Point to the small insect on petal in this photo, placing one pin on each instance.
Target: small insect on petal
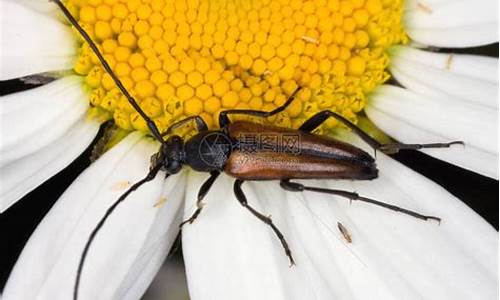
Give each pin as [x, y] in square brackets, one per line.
[345, 233]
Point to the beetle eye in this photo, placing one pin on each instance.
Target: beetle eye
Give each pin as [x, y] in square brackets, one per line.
[173, 167]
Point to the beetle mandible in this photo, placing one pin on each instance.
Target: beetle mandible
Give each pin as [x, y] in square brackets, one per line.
[226, 150]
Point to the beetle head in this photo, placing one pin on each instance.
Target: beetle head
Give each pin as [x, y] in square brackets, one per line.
[171, 155]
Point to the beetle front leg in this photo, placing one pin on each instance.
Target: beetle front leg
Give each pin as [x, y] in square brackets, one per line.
[201, 194]
[201, 125]
[224, 119]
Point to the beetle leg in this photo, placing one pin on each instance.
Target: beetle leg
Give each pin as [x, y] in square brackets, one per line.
[224, 119]
[352, 196]
[318, 119]
[392, 148]
[243, 200]
[205, 187]
[200, 124]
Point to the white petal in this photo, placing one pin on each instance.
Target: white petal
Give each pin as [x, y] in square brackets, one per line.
[452, 23]
[478, 67]
[463, 37]
[32, 42]
[230, 254]
[405, 115]
[44, 7]
[449, 13]
[25, 174]
[126, 252]
[214, 245]
[468, 157]
[469, 77]
[33, 119]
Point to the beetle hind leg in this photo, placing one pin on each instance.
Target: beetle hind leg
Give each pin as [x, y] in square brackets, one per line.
[392, 148]
[316, 120]
[286, 184]
[243, 201]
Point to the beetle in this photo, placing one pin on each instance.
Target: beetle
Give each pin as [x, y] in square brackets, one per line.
[251, 151]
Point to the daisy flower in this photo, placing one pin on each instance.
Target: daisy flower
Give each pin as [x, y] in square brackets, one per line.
[199, 57]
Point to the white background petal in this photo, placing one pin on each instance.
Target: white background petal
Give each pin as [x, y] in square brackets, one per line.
[23, 175]
[33, 42]
[468, 77]
[452, 23]
[412, 118]
[468, 157]
[230, 254]
[449, 13]
[128, 250]
[226, 246]
[33, 119]
[475, 66]
[43, 7]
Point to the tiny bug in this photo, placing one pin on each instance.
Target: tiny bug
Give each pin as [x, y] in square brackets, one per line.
[345, 233]
[250, 151]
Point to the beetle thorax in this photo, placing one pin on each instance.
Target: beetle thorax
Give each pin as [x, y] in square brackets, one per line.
[208, 151]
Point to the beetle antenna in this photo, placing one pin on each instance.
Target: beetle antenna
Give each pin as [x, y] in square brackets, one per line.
[149, 122]
[150, 176]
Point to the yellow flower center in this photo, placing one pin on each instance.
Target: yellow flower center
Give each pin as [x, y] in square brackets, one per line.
[198, 57]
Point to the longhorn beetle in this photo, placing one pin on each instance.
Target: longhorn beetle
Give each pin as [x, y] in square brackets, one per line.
[244, 150]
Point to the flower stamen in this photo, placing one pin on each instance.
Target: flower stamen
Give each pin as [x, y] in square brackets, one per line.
[199, 57]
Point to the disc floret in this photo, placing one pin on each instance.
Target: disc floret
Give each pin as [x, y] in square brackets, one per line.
[198, 57]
